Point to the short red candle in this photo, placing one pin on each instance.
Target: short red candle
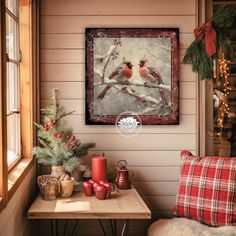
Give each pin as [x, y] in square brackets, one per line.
[100, 192]
[88, 187]
[108, 187]
[99, 165]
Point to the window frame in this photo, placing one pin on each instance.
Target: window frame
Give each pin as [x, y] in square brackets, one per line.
[13, 115]
[11, 180]
[3, 137]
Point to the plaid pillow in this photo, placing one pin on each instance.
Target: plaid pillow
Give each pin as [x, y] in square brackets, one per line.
[207, 190]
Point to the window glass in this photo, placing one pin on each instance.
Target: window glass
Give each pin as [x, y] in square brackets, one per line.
[13, 83]
[13, 138]
[13, 87]
[12, 6]
[12, 39]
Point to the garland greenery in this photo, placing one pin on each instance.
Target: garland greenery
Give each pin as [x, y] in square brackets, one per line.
[197, 55]
[58, 145]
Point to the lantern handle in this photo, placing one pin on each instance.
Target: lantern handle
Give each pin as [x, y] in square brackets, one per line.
[121, 164]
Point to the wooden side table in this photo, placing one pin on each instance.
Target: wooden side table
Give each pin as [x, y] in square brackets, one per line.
[127, 204]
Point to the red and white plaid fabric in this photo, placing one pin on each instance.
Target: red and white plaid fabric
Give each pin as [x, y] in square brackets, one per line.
[207, 191]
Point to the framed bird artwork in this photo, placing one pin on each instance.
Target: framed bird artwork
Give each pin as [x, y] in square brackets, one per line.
[132, 70]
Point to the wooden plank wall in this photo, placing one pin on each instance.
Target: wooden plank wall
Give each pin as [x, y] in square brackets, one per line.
[154, 154]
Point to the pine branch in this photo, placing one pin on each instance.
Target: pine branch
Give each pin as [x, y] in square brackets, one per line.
[38, 125]
[70, 164]
[196, 53]
[66, 114]
[224, 16]
[82, 150]
[44, 155]
[42, 142]
[197, 56]
[68, 155]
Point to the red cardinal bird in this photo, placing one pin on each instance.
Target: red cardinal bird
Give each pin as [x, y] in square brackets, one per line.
[151, 76]
[122, 73]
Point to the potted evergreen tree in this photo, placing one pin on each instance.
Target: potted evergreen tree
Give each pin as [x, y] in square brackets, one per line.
[59, 147]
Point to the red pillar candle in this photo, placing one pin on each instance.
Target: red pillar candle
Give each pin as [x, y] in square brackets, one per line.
[99, 165]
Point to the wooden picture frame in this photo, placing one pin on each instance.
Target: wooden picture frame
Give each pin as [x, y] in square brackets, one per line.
[134, 70]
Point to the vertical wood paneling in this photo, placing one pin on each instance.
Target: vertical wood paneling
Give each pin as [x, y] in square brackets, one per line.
[154, 154]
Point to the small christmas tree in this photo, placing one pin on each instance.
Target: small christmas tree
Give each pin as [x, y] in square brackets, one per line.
[58, 145]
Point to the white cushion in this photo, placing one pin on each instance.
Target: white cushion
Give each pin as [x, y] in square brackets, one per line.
[187, 227]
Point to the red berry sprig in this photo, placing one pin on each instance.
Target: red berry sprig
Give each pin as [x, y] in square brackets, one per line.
[59, 135]
[46, 127]
[54, 121]
[55, 134]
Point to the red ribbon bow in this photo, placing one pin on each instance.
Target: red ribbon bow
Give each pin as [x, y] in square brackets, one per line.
[210, 37]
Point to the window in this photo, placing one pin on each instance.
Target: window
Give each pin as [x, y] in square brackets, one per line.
[13, 82]
[17, 93]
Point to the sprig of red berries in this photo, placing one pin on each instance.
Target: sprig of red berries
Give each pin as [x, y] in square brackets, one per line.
[50, 125]
[71, 141]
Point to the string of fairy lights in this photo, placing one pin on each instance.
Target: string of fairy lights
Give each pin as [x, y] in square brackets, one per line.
[224, 106]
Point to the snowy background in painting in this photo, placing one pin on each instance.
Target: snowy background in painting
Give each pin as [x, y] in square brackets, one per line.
[158, 53]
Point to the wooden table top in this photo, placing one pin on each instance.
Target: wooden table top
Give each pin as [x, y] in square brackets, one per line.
[126, 204]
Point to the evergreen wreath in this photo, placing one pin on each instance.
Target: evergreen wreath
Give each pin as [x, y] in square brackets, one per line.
[58, 145]
[208, 40]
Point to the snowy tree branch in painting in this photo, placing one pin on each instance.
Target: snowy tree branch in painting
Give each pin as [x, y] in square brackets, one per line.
[112, 53]
[139, 97]
[114, 82]
[121, 86]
